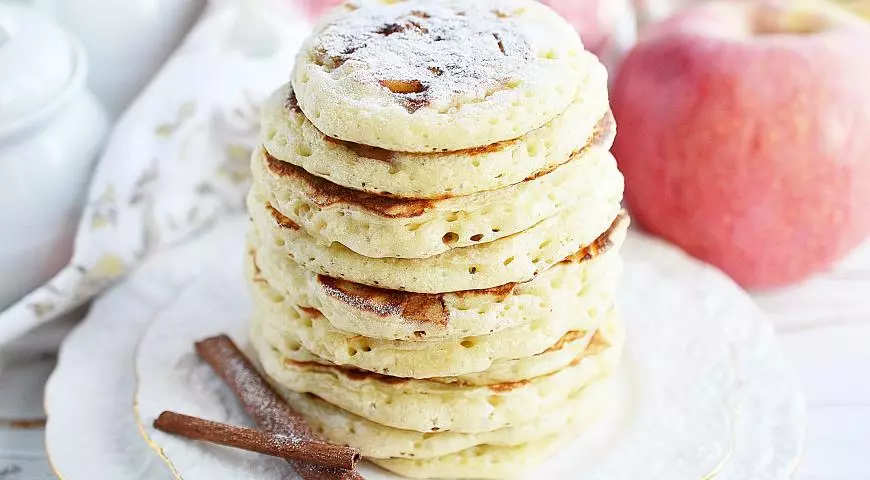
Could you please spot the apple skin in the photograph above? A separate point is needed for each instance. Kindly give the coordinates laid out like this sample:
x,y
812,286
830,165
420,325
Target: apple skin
x,y
593,19
316,8
749,151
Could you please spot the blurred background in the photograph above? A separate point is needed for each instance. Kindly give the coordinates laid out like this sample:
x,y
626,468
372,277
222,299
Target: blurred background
x,y
125,127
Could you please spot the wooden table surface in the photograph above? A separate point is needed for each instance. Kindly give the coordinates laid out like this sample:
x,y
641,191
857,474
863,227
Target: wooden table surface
x,y
822,324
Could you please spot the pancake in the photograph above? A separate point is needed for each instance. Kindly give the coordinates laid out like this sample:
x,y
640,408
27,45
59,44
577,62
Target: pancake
x,y
425,76
593,272
378,227
289,136
429,406
378,442
517,258
288,344
481,462
297,328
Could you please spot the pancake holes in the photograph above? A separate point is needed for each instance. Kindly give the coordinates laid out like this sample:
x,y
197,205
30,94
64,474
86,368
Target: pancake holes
x,y
352,430
536,260
393,169
472,270
532,149
467,343
366,348
279,242
413,227
552,197
494,400
556,283
508,261
308,322
351,352
477,238
419,333
544,244
302,210
388,401
303,150
476,163
496,229
317,114
276,298
294,346
305,78
418,445
271,132
450,238
551,55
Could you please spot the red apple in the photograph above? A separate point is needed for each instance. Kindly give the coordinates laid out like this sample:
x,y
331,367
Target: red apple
x,y
744,136
593,19
315,8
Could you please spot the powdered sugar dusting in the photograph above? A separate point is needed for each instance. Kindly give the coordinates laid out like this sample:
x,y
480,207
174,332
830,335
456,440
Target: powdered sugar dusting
x,y
437,53
264,405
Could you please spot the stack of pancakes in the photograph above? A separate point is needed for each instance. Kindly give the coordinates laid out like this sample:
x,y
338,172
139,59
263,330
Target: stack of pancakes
x,y
435,230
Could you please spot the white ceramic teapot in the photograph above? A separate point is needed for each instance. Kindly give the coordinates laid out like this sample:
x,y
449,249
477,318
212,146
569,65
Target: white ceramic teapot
x,y
51,130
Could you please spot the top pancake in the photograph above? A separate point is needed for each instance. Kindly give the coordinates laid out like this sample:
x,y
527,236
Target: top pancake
x,y
438,75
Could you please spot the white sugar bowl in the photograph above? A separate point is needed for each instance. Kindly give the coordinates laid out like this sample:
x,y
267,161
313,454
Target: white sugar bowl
x,y
51,131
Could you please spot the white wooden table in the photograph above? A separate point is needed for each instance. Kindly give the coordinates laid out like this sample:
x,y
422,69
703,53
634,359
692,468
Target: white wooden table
x,y
823,324
824,327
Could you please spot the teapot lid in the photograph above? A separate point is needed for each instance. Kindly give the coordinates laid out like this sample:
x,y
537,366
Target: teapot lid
x,y
39,63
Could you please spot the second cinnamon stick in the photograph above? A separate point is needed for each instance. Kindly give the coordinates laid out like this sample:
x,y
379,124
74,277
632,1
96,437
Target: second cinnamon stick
x,y
263,404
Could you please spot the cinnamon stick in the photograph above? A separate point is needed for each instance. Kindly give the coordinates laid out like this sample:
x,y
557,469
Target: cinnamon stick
x,y
267,443
266,408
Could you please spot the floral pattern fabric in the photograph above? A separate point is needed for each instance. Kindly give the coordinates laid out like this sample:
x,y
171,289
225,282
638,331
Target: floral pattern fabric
x,y
178,158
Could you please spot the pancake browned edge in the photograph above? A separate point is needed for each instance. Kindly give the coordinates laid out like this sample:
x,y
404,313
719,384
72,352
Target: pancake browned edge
x,y
597,344
324,193
428,308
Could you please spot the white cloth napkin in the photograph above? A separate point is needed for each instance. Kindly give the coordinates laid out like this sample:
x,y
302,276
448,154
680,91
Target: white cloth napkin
x,y
179,157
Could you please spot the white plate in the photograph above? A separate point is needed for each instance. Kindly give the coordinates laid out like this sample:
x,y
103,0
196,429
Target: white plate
x,y
704,390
